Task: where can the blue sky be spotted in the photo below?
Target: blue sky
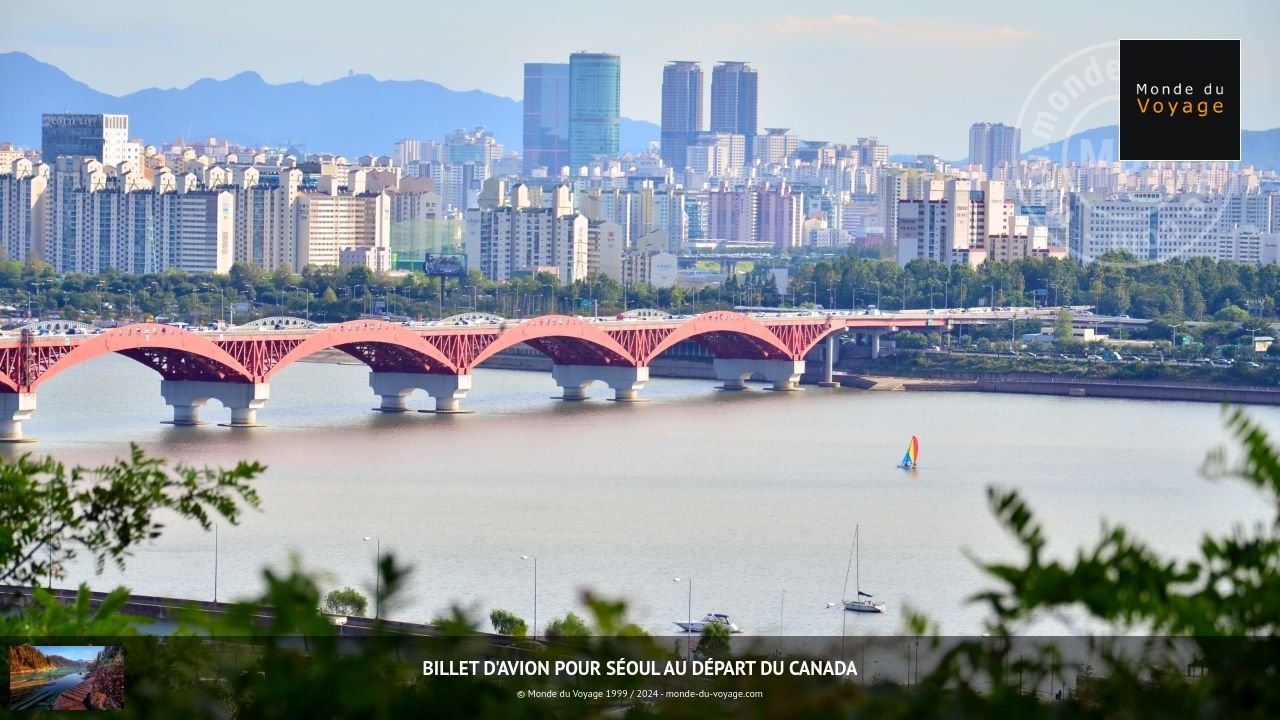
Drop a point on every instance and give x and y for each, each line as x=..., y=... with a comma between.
x=71, y=652
x=916, y=74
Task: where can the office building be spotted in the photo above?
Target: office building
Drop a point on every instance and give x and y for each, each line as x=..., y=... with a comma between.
x=546, y=117
x=508, y=233
x=102, y=137
x=595, y=81
x=681, y=111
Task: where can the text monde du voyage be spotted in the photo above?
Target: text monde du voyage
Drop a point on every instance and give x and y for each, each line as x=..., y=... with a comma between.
x=631, y=668
x=1181, y=99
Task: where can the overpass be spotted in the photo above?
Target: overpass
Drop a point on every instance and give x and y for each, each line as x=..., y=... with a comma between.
x=235, y=365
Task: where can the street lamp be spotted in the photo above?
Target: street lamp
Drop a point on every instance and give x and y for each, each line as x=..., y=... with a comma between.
x=377, y=588
x=535, y=592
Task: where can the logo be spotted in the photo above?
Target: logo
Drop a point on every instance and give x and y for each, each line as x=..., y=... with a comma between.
x=1180, y=100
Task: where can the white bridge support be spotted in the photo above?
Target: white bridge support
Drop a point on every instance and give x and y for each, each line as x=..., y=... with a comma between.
x=875, y=345
x=394, y=388
x=187, y=396
x=784, y=374
x=626, y=381
x=14, y=408
x=829, y=361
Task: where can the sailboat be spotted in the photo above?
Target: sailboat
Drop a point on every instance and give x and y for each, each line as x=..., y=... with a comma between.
x=858, y=603
x=913, y=452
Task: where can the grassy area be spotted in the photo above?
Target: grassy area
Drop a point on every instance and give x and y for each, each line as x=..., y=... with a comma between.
x=927, y=364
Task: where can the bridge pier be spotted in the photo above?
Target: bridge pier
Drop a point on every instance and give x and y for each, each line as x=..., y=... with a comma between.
x=394, y=388
x=875, y=345
x=734, y=372
x=626, y=381
x=829, y=362
x=188, y=396
x=14, y=409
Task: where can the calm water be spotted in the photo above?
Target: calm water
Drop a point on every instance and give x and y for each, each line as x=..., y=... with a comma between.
x=753, y=495
x=38, y=690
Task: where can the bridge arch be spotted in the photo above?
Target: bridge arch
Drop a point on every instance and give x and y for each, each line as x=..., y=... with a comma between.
x=566, y=340
x=728, y=335
x=382, y=345
x=175, y=353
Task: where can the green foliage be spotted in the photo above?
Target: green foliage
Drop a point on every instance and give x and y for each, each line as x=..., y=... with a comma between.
x=347, y=601
x=506, y=622
x=1232, y=314
x=1063, y=325
x=714, y=641
x=49, y=515
x=570, y=626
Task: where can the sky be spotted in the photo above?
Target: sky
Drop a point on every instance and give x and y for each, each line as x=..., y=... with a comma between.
x=916, y=74
x=71, y=652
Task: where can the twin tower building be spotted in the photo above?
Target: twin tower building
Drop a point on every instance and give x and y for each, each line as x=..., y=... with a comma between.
x=572, y=113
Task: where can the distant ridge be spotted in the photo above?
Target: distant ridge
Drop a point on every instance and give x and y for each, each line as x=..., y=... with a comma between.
x=1259, y=148
x=344, y=116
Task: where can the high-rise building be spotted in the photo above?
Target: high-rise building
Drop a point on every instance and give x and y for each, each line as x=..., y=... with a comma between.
x=508, y=233
x=22, y=209
x=546, y=117
x=993, y=145
x=681, y=110
x=734, y=87
x=595, y=82
x=104, y=138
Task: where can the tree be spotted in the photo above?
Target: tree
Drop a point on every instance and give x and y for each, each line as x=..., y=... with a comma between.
x=1232, y=313
x=506, y=622
x=49, y=514
x=1063, y=325
x=347, y=601
x=570, y=626
x=714, y=641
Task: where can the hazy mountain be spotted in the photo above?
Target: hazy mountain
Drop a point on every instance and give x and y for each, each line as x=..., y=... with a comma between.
x=353, y=115
x=1259, y=148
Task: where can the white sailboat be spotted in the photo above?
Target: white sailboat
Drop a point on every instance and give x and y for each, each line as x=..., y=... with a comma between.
x=861, y=601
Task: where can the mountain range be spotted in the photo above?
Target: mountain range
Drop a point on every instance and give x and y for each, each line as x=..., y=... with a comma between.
x=1259, y=148
x=343, y=115
x=24, y=658
x=353, y=115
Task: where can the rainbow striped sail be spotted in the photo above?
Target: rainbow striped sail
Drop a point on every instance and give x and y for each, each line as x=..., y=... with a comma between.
x=913, y=452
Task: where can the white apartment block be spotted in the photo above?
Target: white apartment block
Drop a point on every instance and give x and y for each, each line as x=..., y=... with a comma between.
x=328, y=222
x=22, y=208
x=508, y=234
x=1159, y=227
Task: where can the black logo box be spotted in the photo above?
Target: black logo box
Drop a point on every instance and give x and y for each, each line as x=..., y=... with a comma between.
x=1186, y=65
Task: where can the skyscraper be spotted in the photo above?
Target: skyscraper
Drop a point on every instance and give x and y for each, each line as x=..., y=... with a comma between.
x=595, y=81
x=546, y=116
x=734, y=88
x=681, y=110
x=991, y=145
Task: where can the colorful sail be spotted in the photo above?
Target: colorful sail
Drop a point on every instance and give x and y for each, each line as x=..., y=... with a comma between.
x=913, y=452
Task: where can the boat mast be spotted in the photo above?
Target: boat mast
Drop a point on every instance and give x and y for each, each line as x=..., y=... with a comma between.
x=857, y=578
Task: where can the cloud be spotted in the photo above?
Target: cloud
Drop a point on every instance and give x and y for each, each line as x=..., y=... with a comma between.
x=871, y=30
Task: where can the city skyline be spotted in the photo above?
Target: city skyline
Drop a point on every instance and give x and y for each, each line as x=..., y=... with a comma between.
x=815, y=61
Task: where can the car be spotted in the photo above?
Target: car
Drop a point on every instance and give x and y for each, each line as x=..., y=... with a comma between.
x=1253, y=364
x=1031, y=354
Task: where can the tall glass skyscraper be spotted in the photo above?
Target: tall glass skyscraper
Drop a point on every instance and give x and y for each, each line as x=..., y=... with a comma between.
x=734, y=101
x=595, y=82
x=546, y=116
x=681, y=110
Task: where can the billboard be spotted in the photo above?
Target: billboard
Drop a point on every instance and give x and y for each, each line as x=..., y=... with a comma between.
x=445, y=265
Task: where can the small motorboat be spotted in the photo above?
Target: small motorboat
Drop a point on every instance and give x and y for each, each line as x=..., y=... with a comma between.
x=708, y=619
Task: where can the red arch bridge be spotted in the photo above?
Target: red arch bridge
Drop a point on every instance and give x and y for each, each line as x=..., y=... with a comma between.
x=235, y=365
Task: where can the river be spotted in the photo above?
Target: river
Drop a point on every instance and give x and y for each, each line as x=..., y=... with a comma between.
x=754, y=496
x=38, y=690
